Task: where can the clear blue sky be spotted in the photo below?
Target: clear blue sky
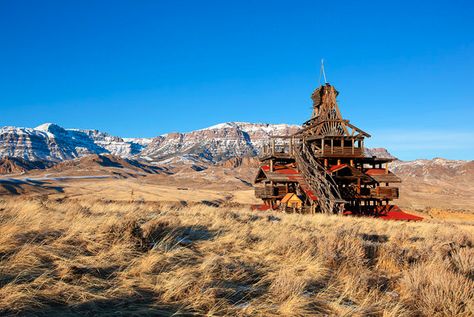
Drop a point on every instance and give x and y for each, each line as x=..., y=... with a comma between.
x=405, y=70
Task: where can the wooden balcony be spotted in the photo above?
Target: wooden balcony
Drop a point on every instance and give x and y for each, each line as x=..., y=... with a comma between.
x=385, y=192
x=380, y=193
x=270, y=192
x=347, y=151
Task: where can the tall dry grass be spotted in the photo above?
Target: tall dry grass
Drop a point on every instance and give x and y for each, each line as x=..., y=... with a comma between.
x=88, y=258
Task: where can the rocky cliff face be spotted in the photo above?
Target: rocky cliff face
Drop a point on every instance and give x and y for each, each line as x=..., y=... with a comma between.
x=217, y=143
x=50, y=142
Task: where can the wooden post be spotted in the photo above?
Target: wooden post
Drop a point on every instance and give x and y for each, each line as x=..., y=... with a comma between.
x=271, y=165
x=291, y=147
x=352, y=161
x=386, y=168
x=273, y=146
x=322, y=147
x=342, y=145
x=352, y=147
x=332, y=146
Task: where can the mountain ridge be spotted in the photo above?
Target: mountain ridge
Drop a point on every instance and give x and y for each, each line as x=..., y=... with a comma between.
x=214, y=144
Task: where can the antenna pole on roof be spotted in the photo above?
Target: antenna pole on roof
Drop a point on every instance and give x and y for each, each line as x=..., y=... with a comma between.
x=322, y=73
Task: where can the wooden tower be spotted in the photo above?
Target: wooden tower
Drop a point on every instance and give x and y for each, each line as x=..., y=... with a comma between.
x=325, y=165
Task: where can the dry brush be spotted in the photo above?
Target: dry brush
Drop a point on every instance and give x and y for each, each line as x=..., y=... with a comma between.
x=92, y=257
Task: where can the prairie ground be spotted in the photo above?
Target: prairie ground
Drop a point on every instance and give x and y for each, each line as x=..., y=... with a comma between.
x=65, y=257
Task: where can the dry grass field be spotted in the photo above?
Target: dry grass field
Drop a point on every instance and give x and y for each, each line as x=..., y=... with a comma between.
x=86, y=257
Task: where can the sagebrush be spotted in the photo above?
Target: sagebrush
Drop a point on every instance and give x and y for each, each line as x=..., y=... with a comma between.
x=92, y=257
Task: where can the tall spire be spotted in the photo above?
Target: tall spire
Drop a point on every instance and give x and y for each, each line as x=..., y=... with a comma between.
x=322, y=73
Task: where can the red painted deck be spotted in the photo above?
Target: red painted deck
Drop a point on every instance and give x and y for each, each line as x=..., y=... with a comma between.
x=394, y=213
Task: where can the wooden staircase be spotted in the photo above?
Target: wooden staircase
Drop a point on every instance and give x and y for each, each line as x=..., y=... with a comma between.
x=318, y=185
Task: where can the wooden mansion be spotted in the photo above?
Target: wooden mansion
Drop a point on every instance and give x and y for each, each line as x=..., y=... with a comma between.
x=323, y=167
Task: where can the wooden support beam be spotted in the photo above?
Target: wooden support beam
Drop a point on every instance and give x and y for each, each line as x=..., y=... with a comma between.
x=358, y=130
x=291, y=147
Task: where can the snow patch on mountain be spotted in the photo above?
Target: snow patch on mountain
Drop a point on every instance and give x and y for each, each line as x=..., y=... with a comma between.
x=50, y=142
x=218, y=142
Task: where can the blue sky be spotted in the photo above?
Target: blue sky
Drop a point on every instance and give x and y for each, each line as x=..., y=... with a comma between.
x=405, y=70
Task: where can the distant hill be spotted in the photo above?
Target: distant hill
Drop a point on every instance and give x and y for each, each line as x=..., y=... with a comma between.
x=105, y=164
x=15, y=165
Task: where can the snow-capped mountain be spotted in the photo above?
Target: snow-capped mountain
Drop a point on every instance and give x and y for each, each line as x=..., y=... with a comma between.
x=50, y=142
x=216, y=143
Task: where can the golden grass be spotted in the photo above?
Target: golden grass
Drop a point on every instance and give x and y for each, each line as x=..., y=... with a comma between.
x=90, y=257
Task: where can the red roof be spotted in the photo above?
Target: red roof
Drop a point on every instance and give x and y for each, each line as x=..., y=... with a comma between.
x=281, y=169
x=292, y=174
x=375, y=171
x=336, y=167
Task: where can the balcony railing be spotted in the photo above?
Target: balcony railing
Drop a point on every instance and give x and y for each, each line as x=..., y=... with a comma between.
x=385, y=192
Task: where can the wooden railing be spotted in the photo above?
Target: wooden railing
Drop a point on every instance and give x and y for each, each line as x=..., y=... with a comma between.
x=268, y=192
x=279, y=145
x=287, y=145
x=340, y=151
x=385, y=192
x=320, y=182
